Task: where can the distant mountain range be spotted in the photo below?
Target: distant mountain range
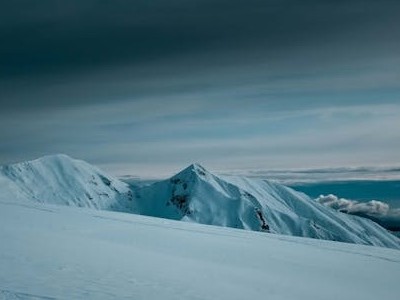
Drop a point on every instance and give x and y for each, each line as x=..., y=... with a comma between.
x=193, y=195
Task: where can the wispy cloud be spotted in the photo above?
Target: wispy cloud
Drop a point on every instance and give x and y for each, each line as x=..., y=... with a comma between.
x=179, y=133
x=296, y=177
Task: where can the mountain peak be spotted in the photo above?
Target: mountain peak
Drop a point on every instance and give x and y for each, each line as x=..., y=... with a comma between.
x=197, y=166
x=51, y=158
x=194, y=168
x=60, y=179
x=55, y=157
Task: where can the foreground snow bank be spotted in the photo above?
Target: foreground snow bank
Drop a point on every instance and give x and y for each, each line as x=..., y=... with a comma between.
x=61, y=252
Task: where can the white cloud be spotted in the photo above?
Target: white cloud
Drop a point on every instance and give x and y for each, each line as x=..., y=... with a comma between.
x=373, y=208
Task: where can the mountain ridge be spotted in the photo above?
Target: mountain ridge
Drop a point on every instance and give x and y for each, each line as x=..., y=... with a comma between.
x=60, y=179
x=197, y=195
x=192, y=195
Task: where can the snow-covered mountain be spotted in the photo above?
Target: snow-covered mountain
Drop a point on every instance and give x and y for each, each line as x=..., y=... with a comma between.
x=196, y=195
x=59, y=179
x=193, y=195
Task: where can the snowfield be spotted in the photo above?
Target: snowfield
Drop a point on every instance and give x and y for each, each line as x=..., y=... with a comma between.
x=59, y=252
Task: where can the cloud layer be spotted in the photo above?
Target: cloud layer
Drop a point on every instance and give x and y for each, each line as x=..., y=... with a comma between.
x=375, y=209
x=147, y=87
x=67, y=36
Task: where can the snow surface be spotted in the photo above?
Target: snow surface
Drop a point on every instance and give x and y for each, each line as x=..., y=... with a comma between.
x=193, y=195
x=59, y=252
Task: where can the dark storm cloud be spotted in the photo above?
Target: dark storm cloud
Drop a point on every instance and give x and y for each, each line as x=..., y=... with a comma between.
x=46, y=43
x=40, y=36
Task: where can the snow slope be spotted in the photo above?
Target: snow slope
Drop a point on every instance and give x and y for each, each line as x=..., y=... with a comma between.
x=59, y=179
x=58, y=252
x=196, y=195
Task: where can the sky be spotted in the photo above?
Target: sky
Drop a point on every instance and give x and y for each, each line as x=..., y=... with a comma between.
x=148, y=87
